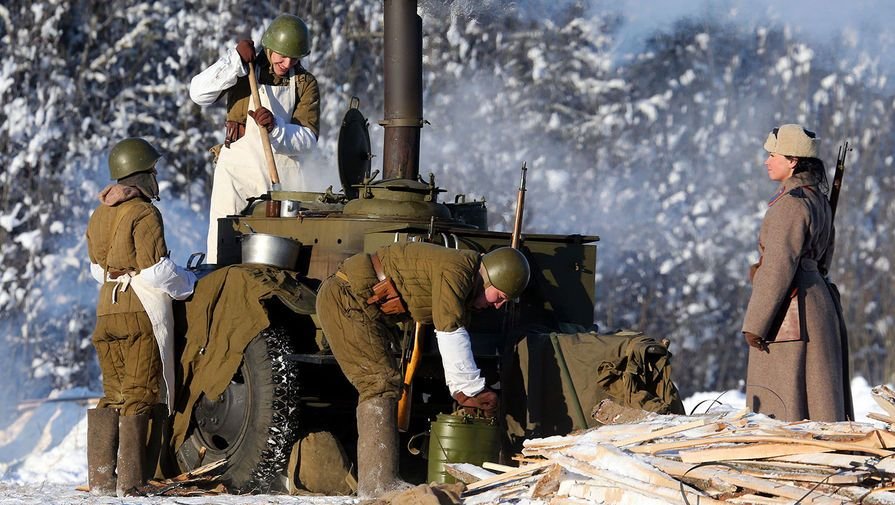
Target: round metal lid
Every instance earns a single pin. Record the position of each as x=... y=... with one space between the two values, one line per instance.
x=354 y=149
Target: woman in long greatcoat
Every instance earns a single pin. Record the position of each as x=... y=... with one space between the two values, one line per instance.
x=796 y=357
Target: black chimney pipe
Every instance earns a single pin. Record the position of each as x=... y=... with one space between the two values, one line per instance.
x=403 y=77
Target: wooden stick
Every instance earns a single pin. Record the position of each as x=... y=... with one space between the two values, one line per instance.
x=265 y=140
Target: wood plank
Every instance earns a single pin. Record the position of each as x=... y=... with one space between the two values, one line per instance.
x=750 y=451
x=664 y=432
x=885 y=398
x=487 y=465
x=724 y=474
x=516 y=473
x=684 y=444
x=467 y=473
x=613 y=464
x=881 y=417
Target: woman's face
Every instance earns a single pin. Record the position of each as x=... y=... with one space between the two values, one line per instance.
x=780 y=167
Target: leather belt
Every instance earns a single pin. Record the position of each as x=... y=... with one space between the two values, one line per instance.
x=377 y=267
x=114 y=274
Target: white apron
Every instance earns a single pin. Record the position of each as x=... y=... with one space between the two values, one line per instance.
x=157 y=304
x=241 y=170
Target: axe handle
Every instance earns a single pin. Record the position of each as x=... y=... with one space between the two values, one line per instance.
x=265 y=140
x=416 y=355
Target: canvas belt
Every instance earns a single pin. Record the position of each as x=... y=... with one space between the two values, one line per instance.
x=114 y=274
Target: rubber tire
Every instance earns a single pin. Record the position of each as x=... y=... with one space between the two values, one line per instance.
x=255 y=422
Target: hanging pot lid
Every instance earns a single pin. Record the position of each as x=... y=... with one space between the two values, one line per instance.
x=354 y=149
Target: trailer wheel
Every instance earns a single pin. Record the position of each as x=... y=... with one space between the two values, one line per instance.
x=254 y=423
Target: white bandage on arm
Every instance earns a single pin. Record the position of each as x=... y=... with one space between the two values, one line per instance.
x=460 y=371
x=177 y=281
x=206 y=87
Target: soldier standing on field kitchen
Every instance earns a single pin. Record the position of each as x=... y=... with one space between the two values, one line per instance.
x=134 y=322
x=796 y=369
x=359 y=308
x=289 y=112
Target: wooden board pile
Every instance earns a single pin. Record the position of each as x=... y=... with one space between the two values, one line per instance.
x=727 y=457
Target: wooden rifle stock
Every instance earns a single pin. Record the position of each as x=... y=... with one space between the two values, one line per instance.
x=520 y=205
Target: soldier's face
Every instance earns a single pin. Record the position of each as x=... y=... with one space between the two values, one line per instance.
x=779 y=167
x=490 y=298
x=281 y=64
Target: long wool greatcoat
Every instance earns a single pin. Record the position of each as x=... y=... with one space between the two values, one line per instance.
x=801 y=377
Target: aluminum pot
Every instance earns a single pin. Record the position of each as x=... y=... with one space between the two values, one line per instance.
x=280 y=252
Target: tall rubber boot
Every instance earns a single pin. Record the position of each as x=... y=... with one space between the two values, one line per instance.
x=131 y=452
x=377 y=448
x=102 y=450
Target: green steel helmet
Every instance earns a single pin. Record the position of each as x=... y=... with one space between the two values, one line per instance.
x=507 y=270
x=287 y=35
x=130 y=156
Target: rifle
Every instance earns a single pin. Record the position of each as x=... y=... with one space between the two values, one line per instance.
x=520 y=205
x=834 y=197
x=837 y=178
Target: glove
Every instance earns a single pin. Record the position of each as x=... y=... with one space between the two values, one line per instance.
x=755 y=341
x=246 y=50
x=263 y=117
x=486 y=401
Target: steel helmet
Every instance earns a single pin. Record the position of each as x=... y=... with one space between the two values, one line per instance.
x=287 y=35
x=507 y=270
x=130 y=156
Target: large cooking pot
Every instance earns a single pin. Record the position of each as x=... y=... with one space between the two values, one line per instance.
x=280 y=252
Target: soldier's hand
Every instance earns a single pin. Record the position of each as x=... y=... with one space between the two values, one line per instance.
x=755 y=341
x=486 y=401
x=246 y=50
x=263 y=117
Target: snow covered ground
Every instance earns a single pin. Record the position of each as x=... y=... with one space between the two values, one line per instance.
x=43 y=453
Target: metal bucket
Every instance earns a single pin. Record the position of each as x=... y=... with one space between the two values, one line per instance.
x=280 y=252
x=461 y=439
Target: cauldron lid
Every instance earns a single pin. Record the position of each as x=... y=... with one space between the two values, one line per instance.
x=354 y=149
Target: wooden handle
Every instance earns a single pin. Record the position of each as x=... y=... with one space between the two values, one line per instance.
x=265 y=140
x=406 y=393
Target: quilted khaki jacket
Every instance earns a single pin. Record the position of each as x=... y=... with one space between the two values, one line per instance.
x=435 y=282
x=123 y=237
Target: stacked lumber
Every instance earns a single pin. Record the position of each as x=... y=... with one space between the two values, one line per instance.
x=724 y=457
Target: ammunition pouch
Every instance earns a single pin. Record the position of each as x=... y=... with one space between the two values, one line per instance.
x=386 y=296
x=235 y=131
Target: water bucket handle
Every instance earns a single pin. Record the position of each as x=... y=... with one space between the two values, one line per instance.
x=416 y=451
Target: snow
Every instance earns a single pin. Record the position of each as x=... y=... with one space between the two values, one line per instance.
x=43 y=453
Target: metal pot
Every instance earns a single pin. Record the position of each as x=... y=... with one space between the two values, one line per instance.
x=280 y=252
